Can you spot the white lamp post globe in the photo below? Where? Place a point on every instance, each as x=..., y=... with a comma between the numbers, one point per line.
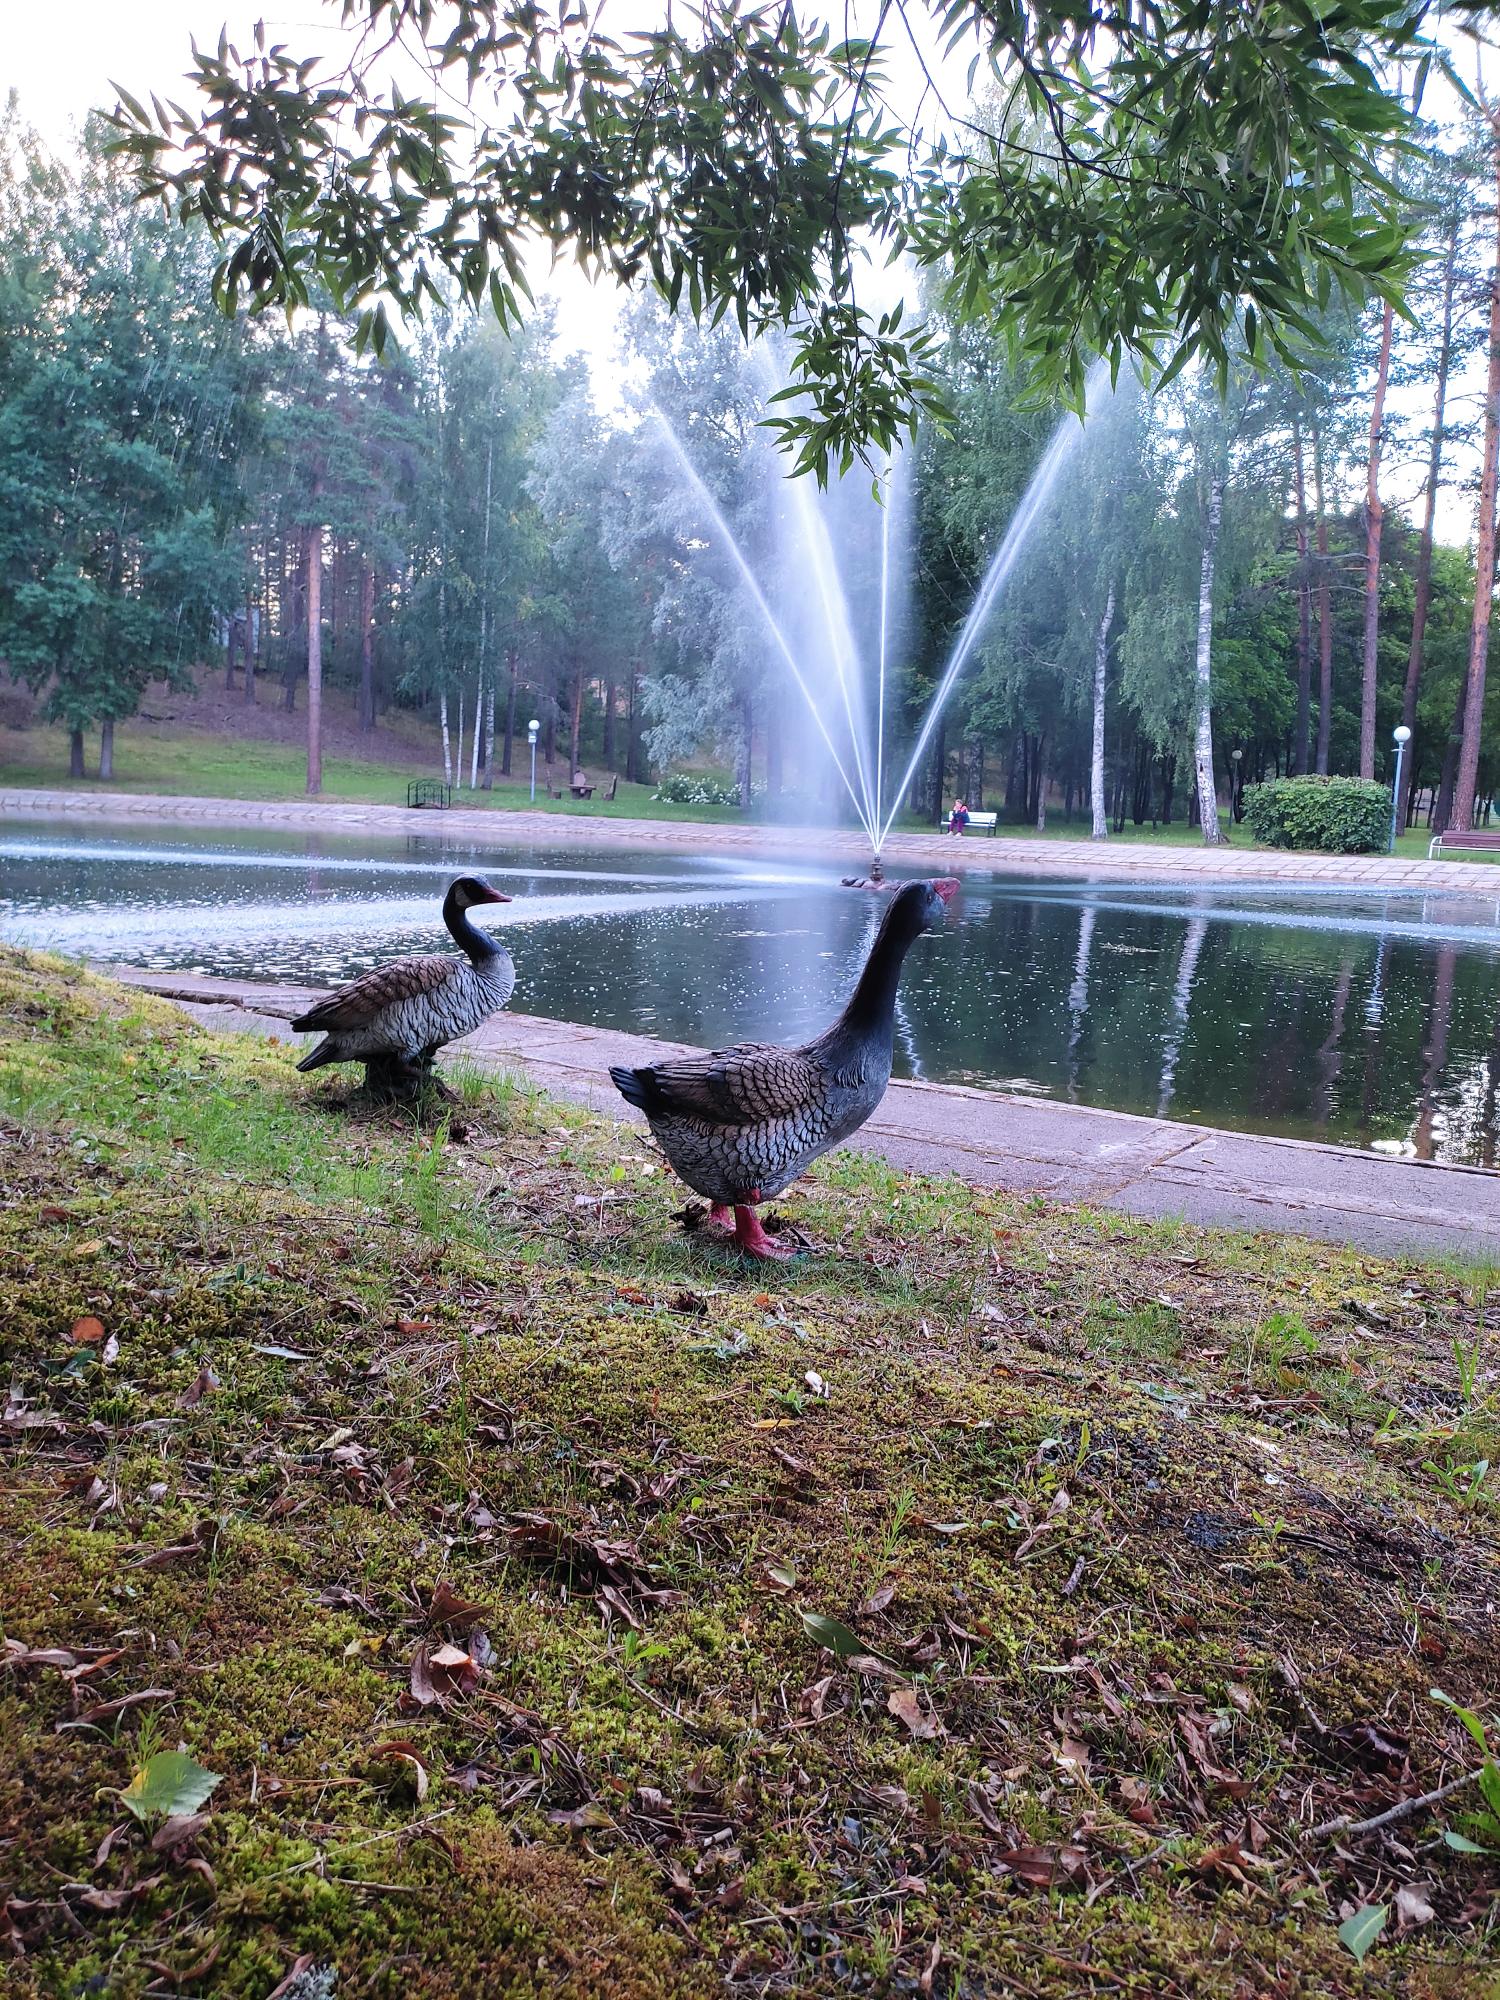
x=1401, y=734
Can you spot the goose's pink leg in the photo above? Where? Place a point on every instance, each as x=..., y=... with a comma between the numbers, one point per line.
x=752, y=1239
x=720, y=1216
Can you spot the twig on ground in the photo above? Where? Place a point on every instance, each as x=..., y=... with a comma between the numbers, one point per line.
x=1403, y=1809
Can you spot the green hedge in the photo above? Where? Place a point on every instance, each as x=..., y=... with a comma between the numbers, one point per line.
x=1336, y=815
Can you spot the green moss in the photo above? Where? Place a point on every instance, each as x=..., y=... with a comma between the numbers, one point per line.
x=1068, y=1484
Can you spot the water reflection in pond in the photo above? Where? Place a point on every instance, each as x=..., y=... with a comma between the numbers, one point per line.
x=1364, y=1019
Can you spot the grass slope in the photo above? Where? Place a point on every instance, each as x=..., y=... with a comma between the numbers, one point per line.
x=992, y=1603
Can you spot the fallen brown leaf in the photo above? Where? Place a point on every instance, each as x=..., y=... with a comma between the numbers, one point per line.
x=1046, y=1867
x=87, y=1331
x=905, y=1704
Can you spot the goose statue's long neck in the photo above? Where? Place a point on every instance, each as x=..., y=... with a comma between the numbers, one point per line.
x=871, y=1011
x=476, y=946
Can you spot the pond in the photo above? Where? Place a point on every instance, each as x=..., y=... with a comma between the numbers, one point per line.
x=1369, y=1020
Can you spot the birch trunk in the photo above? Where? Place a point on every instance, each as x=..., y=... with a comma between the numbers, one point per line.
x=107, y=750
x=314, y=596
x=478, y=730
x=1096, y=765
x=1203, y=749
x=489, y=740
x=1373, y=516
x=458, y=758
x=1424, y=547
x=366, y=646
x=447, y=745
x=1484, y=583
x=1304, y=611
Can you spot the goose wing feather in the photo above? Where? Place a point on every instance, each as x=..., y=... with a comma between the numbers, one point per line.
x=746, y=1085
x=364, y=999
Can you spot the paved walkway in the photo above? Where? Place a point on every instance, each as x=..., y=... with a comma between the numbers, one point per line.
x=1146, y=1166
x=1110, y=860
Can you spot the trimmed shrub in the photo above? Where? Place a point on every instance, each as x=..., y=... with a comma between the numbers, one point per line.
x=1334, y=815
x=685, y=788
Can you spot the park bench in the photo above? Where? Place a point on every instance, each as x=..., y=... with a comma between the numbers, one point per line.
x=428, y=792
x=1471, y=843
x=978, y=823
x=580, y=786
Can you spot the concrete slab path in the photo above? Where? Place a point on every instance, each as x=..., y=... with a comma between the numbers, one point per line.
x=1119, y=860
x=1145, y=1166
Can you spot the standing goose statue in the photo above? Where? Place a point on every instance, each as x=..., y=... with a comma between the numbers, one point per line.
x=741, y=1124
x=396, y=1018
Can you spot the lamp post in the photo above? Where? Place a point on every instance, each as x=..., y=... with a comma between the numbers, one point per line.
x=1400, y=736
x=1236, y=785
x=533, y=730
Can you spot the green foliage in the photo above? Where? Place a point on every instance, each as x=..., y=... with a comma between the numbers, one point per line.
x=1162, y=181
x=1333, y=815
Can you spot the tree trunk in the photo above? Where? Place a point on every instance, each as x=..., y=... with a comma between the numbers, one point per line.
x=773, y=751
x=447, y=746
x=1373, y=517
x=1101, y=674
x=75, y=753
x=938, y=769
x=1304, y=611
x=577, y=719
x=253, y=628
x=609, y=722
x=314, y=661
x=1441, y=817
x=478, y=734
x=367, y=646
x=744, y=751
x=489, y=739
x=107, y=750
x=229, y=655
x=632, y=736
x=1203, y=753
x=1424, y=547
x=1325, y=613
x=1041, y=784
x=1484, y=580
x=510, y=713
x=458, y=754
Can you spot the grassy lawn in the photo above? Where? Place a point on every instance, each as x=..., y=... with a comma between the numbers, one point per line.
x=194, y=764
x=999, y=1600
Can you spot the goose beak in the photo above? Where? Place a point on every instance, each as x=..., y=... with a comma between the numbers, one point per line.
x=494, y=896
x=947, y=888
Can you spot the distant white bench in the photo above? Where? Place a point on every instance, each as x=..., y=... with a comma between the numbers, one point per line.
x=978, y=823
x=1472, y=843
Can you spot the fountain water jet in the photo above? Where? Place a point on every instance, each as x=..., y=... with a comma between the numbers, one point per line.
x=1065, y=440
x=815, y=548
x=716, y=515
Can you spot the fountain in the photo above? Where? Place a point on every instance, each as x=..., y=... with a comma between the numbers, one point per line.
x=826, y=631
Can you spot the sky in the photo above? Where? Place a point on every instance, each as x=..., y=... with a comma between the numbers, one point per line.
x=146, y=44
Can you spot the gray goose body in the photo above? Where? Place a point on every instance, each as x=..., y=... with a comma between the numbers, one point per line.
x=739, y=1125
x=404, y=1012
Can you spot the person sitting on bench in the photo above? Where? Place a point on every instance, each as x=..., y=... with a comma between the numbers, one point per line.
x=958, y=819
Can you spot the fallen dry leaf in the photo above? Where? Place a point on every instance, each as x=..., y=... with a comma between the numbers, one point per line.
x=87, y=1331
x=448, y=1608
x=203, y=1384
x=1046, y=1867
x=905, y=1704
x=1412, y=1906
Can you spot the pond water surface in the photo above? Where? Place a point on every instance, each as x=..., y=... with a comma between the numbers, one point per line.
x=1371, y=1020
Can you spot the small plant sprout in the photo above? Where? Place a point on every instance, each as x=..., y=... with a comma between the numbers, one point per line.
x=1483, y=1824
x=901, y=1513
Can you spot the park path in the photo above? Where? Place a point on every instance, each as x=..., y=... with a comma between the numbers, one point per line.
x=1113, y=860
x=1072, y=1153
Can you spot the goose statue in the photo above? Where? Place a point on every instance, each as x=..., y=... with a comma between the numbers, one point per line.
x=741, y=1124
x=396, y=1018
